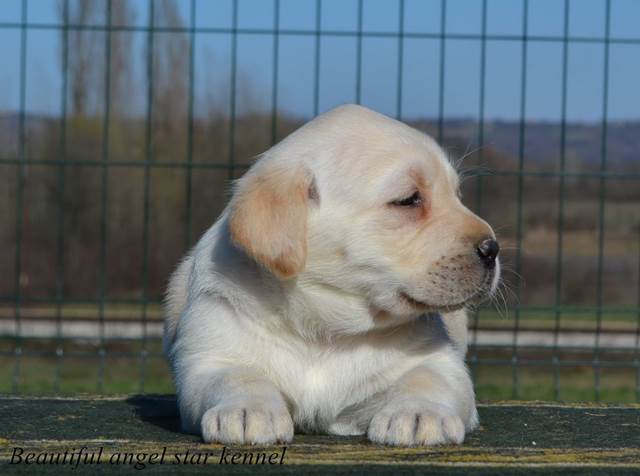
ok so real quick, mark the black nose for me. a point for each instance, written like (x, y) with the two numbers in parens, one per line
(488, 251)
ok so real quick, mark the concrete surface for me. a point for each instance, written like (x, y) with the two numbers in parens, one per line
(514, 438)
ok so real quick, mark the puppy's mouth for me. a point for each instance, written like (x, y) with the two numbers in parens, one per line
(477, 295)
(414, 302)
(423, 306)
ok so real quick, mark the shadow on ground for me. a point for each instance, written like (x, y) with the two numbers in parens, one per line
(157, 410)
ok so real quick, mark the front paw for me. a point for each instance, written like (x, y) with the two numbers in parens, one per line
(247, 423)
(416, 424)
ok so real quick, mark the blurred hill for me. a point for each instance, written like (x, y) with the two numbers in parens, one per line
(583, 142)
(125, 197)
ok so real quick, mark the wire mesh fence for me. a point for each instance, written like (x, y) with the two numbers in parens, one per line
(106, 188)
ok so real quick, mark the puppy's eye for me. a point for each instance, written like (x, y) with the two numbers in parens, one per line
(414, 200)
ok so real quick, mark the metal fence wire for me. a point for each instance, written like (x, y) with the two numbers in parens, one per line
(102, 193)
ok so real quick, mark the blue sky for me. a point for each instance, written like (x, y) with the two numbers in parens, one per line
(421, 76)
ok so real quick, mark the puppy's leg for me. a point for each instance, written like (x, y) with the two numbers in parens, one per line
(432, 404)
(234, 406)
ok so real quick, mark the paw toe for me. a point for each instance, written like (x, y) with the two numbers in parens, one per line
(453, 429)
(429, 430)
(246, 425)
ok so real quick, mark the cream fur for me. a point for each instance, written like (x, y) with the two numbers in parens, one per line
(315, 302)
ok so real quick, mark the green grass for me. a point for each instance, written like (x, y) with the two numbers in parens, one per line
(624, 318)
(121, 370)
(121, 375)
(575, 384)
(75, 311)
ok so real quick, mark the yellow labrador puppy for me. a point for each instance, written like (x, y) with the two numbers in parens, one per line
(329, 296)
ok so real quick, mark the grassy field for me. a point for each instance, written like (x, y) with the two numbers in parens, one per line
(122, 369)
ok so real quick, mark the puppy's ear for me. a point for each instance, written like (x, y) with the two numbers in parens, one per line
(268, 216)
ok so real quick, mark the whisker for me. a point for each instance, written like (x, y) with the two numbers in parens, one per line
(513, 294)
(500, 304)
(504, 301)
(466, 154)
(513, 272)
(507, 288)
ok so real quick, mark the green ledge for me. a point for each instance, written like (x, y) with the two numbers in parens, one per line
(513, 438)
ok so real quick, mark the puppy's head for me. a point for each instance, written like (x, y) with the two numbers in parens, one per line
(366, 207)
